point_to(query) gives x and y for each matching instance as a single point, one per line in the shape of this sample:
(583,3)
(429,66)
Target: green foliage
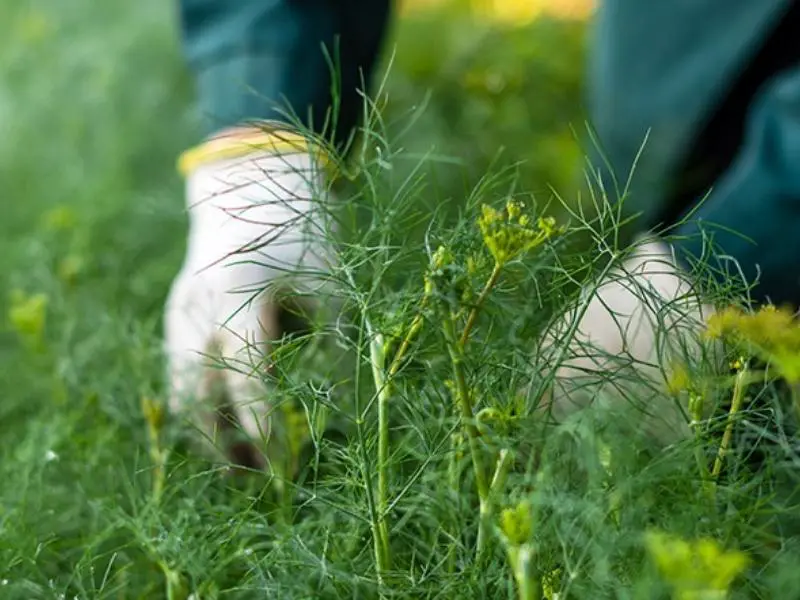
(496,96)
(102,497)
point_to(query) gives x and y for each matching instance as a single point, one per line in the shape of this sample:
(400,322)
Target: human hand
(257,234)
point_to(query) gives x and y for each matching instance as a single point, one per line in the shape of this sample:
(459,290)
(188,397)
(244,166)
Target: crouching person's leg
(721,112)
(257,195)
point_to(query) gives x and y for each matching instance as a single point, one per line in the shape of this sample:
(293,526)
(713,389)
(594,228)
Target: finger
(189,344)
(245,338)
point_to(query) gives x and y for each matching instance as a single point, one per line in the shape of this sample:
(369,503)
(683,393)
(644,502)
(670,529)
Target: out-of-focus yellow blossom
(33,27)
(27,315)
(773,333)
(153,412)
(516,523)
(60,218)
(679,379)
(696,570)
(509,12)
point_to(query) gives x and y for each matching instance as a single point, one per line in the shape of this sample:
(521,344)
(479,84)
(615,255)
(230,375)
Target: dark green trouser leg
(759,197)
(261,59)
(717,84)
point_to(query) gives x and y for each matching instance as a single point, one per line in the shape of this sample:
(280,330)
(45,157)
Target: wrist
(243,140)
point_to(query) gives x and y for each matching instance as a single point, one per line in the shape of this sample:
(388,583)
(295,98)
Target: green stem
(383,384)
(416,325)
(473,315)
(377,540)
(504,462)
(456,348)
(159,476)
(153,412)
(795,389)
(159,458)
(696,413)
(377,359)
(521,559)
(736,404)
(502,468)
(468,424)
(176,590)
(454,481)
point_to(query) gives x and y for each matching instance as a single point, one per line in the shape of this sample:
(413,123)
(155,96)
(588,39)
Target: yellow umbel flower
(509,234)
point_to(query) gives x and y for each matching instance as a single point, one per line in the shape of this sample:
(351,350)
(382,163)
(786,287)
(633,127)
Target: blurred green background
(96,104)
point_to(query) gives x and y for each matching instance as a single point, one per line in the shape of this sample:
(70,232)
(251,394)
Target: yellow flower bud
(516,523)
(28,314)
